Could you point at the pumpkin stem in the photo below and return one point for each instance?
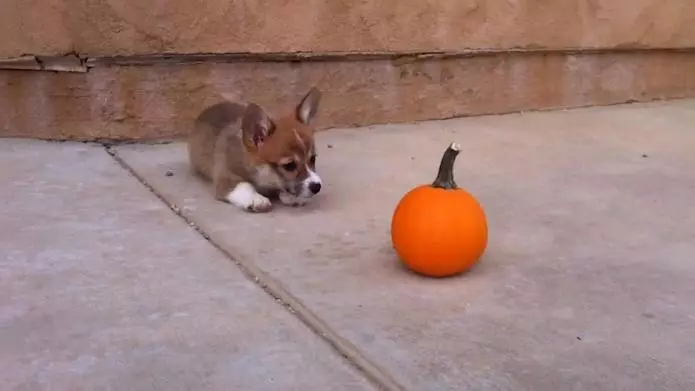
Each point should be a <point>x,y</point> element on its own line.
<point>445,176</point>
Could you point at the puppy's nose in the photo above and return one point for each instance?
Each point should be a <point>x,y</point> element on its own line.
<point>315,187</point>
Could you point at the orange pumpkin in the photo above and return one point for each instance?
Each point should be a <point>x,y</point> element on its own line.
<point>439,229</point>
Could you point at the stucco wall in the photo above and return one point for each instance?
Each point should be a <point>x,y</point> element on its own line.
<point>121,99</point>
<point>161,102</point>
<point>121,27</point>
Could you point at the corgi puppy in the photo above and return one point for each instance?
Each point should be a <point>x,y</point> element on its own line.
<point>251,157</point>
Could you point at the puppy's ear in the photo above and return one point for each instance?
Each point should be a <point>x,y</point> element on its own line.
<point>256,126</point>
<point>306,110</point>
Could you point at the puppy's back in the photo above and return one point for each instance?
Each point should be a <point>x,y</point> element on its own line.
<point>206,130</point>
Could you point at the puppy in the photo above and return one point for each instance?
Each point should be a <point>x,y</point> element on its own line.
<point>250,157</point>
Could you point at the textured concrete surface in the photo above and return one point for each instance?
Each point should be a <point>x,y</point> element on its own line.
<point>587,283</point>
<point>155,102</point>
<point>103,288</point>
<point>108,27</point>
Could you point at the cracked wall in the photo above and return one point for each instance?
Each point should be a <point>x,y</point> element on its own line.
<point>161,102</point>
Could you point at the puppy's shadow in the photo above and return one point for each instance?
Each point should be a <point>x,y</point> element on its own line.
<point>311,207</point>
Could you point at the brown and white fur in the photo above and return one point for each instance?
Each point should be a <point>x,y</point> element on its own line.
<point>250,157</point>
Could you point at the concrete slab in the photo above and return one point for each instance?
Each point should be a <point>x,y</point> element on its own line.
<point>587,283</point>
<point>103,288</point>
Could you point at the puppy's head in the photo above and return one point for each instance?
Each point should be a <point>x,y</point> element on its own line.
<point>283,148</point>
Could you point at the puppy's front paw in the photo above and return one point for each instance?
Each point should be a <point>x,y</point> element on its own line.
<point>291,200</point>
<point>247,198</point>
<point>259,204</point>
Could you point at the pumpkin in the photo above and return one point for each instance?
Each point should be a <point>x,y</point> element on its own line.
<point>439,229</point>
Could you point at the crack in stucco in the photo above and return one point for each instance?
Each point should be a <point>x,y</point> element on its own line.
<point>74,62</point>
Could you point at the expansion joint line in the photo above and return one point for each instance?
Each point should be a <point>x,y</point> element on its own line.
<point>282,296</point>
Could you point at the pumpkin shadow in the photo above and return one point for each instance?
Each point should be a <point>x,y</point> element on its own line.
<point>471,271</point>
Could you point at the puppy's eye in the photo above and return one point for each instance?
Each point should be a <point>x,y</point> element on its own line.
<point>291,166</point>
<point>312,160</point>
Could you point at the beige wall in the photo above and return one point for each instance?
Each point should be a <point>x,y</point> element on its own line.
<point>121,27</point>
<point>161,100</point>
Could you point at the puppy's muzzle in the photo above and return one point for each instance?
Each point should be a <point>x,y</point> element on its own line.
<point>310,186</point>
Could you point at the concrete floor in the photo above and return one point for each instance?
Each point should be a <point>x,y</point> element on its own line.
<point>587,283</point>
